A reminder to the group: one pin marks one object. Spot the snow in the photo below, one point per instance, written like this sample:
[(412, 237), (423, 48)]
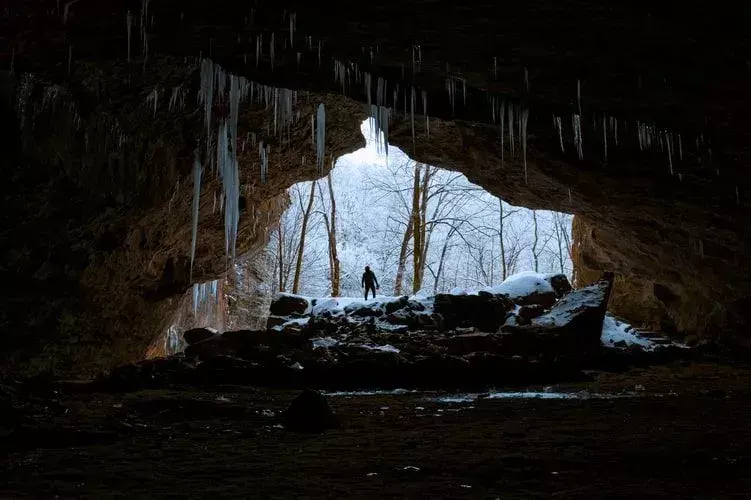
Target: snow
[(324, 342), (522, 284), (382, 348), (614, 330)]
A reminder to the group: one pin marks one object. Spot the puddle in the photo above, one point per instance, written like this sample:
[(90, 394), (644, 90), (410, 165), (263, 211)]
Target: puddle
[(469, 398), (375, 392)]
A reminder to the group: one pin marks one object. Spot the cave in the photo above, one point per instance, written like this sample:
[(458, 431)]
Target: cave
[(148, 148)]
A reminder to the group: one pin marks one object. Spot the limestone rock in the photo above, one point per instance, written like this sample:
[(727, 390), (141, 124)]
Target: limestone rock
[(196, 335), (309, 412), (286, 305), (485, 312)]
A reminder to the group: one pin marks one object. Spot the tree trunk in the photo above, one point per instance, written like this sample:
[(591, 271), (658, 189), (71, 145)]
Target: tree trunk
[(301, 246), (417, 232), (280, 258), (402, 259), (504, 269), (534, 242), (424, 236), (335, 277)]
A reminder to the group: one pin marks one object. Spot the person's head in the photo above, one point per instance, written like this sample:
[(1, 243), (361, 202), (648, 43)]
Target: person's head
[(367, 268)]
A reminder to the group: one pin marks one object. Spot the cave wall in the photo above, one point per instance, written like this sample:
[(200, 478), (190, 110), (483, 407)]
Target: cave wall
[(96, 207)]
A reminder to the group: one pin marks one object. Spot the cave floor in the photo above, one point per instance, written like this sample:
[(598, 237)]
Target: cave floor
[(686, 434)]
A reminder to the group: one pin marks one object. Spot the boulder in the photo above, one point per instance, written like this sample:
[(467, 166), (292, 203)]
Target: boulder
[(527, 313), (196, 335), (560, 284), (527, 288), (395, 305), (485, 312), (467, 343), (574, 322), (363, 311), (285, 304), (215, 346), (309, 412)]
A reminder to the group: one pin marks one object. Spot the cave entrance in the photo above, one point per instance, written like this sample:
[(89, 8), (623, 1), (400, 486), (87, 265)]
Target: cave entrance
[(470, 240), (467, 238)]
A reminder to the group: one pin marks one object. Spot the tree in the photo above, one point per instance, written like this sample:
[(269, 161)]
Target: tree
[(301, 244), (330, 223)]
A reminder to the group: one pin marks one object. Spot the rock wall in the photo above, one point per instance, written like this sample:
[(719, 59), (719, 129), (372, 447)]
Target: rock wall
[(98, 209)]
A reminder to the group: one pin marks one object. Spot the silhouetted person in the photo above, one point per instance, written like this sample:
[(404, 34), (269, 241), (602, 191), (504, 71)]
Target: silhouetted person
[(369, 281)]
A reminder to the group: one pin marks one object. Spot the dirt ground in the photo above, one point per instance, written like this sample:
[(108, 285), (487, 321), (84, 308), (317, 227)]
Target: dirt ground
[(681, 432)]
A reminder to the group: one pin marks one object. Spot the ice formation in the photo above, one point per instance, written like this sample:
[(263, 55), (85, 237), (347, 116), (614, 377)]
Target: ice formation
[(320, 135), (196, 199)]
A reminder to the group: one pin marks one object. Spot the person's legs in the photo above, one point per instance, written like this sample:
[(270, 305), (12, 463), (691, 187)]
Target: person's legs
[(369, 288), (372, 289)]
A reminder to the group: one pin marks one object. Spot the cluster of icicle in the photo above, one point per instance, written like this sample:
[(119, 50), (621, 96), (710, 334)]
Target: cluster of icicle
[(511, 116), (205, 295), (220, 87)]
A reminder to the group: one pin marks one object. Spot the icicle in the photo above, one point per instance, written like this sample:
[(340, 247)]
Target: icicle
[(737, 196), (292, 27), (605, 137), (526, 79), (258, 49), (129, 26), (271, 51), (495, 67), (569, 196), (263, 153), (412, 115), (503, 120), (196, 198), (320, 136), (668, 146), (153, 97), (425, 111), (525, 117), (680, 148), (511, 128), (559, 126), (66, 10)]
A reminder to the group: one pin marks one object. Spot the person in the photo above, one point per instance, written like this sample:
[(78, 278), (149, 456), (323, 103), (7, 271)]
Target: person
[(370, 282)]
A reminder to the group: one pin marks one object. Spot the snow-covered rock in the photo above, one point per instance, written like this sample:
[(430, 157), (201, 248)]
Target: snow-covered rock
[(576, 319), (526, 288)]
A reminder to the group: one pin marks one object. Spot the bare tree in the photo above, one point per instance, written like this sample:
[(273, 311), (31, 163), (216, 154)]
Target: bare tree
[(301, 244), (330, 223)]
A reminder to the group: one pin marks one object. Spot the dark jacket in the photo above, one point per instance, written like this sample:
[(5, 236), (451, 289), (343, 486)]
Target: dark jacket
[(369, 278)]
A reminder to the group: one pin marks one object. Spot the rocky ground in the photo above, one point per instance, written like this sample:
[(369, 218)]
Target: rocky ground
[(494, 394), (681, 431)]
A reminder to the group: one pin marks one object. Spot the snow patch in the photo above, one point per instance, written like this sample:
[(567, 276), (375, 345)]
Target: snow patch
[(382, 348), (522, 284)]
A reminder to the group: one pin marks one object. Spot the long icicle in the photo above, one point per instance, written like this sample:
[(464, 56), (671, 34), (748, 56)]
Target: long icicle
[(525, 117), (196, 199), (320, 136)]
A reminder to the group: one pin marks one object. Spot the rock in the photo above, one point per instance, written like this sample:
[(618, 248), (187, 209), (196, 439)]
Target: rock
[(560, 284), (274, 320), (573, 323), (527, 288), (471, 342), (395, 305), (486, 312), (216, 346), (309, 412), (363, 311), (196, 335), (527, 313), (285, 304), (415, 305)]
